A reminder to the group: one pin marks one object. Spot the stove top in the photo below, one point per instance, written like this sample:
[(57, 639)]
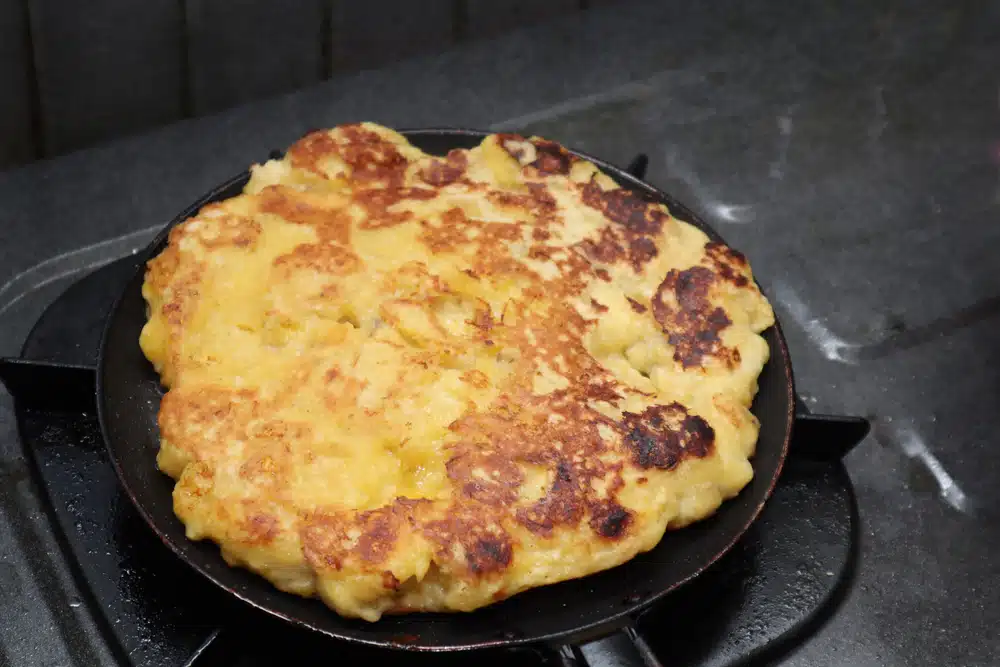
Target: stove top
[(781, 580)]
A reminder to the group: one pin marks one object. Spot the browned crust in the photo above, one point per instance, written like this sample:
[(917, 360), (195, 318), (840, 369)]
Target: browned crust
[(639, 222), (445, 172), (491, 449), (324, 258), (662, 436), (371, 159), (690, 320), (331, 223)]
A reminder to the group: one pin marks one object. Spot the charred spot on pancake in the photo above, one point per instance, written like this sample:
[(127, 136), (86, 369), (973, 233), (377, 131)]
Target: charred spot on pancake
[(730, 265), (535, 202), (630, 210), (471, 540), (542, 252), (635, 305), (378, 535), (489, 554), (638, 223), (491, 479), (692, 324), (607, 249), (662, 436), (561, 506), (307, 152), (510, 143), (610, 520), (641, 250), (540, 234), (371, 157), (551, 158), (365, 539), (541, 200), (524, 431), (602, 389), (445, 172)]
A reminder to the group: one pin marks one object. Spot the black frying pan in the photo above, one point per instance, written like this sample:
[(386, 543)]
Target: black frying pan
[(129, 397)]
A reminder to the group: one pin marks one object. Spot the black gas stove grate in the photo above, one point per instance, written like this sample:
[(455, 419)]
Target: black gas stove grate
[(782, 579)]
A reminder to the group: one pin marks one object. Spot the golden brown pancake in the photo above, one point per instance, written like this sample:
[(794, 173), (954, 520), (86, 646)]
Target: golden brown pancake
[(405, 383)]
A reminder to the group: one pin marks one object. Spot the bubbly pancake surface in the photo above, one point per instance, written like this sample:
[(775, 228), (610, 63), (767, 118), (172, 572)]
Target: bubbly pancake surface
[(404, 382)]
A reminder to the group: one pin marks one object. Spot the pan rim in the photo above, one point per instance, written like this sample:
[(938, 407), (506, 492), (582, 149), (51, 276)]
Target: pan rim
[(592, 630)]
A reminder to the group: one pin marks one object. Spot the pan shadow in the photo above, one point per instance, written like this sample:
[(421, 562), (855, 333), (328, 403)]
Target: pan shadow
[(781, 582)]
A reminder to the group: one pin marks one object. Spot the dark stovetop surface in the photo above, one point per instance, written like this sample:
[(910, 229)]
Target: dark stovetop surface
[(852, 150)]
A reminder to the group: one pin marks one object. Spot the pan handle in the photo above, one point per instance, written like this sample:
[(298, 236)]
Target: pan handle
[(625, 648), (826, 437)]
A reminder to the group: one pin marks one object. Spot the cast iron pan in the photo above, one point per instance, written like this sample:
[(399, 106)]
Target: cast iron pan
[(128, 400)]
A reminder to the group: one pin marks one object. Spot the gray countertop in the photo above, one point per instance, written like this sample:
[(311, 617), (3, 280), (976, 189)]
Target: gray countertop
[(852, 151)]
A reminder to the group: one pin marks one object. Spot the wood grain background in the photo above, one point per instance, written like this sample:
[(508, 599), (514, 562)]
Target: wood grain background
[(74, 73)]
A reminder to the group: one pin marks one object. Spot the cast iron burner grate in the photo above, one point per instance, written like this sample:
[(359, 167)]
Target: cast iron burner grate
[(783, 578)]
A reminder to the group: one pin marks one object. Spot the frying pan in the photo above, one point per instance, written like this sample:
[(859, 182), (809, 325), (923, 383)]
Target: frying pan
[(558, 615)]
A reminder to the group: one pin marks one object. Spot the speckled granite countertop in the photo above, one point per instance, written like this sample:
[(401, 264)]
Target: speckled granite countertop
[(852, 153)]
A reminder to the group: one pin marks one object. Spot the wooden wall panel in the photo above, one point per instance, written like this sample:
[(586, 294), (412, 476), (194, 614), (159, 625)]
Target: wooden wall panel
[(17, 141), (370, 33), (242, 50), (105, 68), (489, 17)]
